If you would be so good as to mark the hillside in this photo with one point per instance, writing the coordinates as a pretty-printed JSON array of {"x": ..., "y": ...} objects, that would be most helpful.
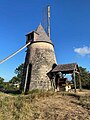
[{"x": 45, "y": 106}]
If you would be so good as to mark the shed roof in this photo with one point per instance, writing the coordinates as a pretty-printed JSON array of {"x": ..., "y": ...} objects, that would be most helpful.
[{"x": 66, "y": 68}]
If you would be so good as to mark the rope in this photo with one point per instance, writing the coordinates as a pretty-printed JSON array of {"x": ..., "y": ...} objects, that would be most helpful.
[{"x": 10, "y": 56}]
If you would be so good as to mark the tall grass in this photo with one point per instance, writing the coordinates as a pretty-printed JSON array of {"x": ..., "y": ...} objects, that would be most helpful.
[{"x": 19, "y": 107}]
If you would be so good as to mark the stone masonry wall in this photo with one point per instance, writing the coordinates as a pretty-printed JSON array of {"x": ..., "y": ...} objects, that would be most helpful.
[{"x": 42, "y": 57}]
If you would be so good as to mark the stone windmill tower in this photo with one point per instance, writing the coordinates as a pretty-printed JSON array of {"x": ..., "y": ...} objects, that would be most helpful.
[{"x": 39, "y": 60}]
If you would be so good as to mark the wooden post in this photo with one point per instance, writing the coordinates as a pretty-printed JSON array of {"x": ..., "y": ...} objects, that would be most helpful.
[
  {"x": 53, "y": 82},
  {"x": 80, "y": 85},
  {"x": 26, "y": 78},
  {"x": 74, "y": 80}
]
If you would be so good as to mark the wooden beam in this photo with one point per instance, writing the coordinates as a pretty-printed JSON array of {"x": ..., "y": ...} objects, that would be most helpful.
[
  {"x": 80, "y": 85},
  {"x": 26, "y": 77},
  {"x": 76, "y": 72},
  {"x": 74, "y": 81}
]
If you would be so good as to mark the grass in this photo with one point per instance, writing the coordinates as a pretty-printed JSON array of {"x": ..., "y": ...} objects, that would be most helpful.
[
  {"x": 85, "y": 101},
  {"x": 19, "y": 106},
  {"x": 44, "y": 105}
]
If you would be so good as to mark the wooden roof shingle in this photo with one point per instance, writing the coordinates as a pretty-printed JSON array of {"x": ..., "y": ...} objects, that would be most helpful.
[
  {"x": 42, "y": 35},
  {"x": 66, "y": 68}
]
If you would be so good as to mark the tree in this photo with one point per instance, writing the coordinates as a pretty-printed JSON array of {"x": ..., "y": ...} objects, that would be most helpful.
[
  {"x": 14, "y": 80},
  {"x": 18, "y": 77},
  {"x": 19, "y": 71},
  {"x": 85, "y": 78},
  {"x": 1, "y": 80}
]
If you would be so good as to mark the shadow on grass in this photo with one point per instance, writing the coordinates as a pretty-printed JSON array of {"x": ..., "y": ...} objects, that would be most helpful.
[{"x": 14, "y": 92}]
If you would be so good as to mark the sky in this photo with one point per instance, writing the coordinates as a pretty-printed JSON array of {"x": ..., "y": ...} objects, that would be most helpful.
[{"x": 70, "y": 30}]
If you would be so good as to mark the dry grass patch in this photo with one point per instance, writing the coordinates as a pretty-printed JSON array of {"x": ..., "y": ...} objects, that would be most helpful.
[{"x": 41, "y": 105}]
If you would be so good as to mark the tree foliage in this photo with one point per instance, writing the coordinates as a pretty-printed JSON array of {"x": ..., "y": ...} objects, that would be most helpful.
[
  {"x": 85, "y": 78},
  {"x": 1, "y": 80},
  {"x": 19, "y": 70},
  {"x": 14, "y": 80},
  {"x": 18, "y": 77}
]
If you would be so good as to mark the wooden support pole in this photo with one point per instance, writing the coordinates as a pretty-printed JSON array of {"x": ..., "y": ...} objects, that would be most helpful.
[
  {"x": 80, "y": 85},
  {"x": 74, "y": 81},
  {"x": 26, "y": 78},
  {"x": 53, "y": 83}
]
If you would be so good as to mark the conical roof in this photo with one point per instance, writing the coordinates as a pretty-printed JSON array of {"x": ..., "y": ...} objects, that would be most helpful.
[{"x": 42, "y": 34}]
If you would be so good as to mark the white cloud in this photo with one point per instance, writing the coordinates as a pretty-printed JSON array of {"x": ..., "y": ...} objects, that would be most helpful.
[{"x": 83, "y": 51}]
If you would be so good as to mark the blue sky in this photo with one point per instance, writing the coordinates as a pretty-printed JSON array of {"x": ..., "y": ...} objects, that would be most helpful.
[{"x": 70, "y": 30}]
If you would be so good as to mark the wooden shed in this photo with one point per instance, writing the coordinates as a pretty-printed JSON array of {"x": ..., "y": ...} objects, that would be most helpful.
[{"x": 57, "y": 74}]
